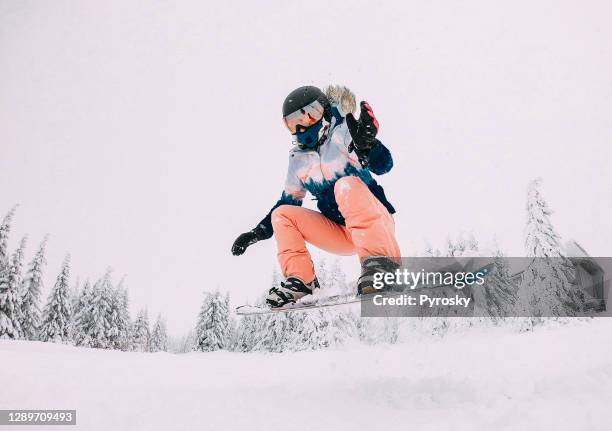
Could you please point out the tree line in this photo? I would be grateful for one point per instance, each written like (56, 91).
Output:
(97, 315)
(92, 315)
(545, 290)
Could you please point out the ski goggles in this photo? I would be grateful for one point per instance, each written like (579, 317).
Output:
(305, 117)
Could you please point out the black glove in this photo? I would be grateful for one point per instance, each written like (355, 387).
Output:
(246, 239)
(363, 132)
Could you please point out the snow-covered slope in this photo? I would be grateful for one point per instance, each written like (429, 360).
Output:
(556, 378)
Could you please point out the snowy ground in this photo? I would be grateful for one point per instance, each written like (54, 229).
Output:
(556, 378)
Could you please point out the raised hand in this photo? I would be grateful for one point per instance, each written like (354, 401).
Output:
(364, 130)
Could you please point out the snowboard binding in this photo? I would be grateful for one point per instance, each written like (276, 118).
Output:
(290, 291)
(369, 268)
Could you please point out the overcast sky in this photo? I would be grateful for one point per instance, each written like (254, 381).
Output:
(146, 136)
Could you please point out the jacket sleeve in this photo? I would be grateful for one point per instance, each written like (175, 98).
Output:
(293, 194)
(380, 159)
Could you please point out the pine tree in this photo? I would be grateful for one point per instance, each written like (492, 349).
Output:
(546, 289)
(316, 329)
(301, 331)
(313, 330)
(32, 288)
(141, 332)
(57, 315)
(82, 316)
(123, 318)
(454, 248)
(159, 337)
(272, 333)
(322, 274)
(10, 295)
(251, 331)
(5, 229)
(276, 332)
(212, 330)
(346, 326)
(74, 295)
(246, 333)
(382, 330)
(472, 245)
(496, 298)
(541, 240)
(116, 325)
(337, 278)
(461, 247)
(113, 317)
(101, 330)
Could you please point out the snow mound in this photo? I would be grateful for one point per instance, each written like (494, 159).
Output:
(559, 377)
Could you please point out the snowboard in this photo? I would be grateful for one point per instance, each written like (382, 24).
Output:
(312, 301)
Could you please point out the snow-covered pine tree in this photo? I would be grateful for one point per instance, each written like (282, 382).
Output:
(102, 327)
(343, 319)
(462, 247)
(32, 288)
(117, 314)
(10, 295)
(337, 278)
(82, 316)
(57, 315)
(496, 298)
(472, 245)
(232, 322)
(382, 330)
(276, 335)
(212, 330)
(245, 334)
(141, 333)
(346, 324)
(313, 330)
(5, 229)
(322, 273)
(453, 248)
(74, 295)
(113, 313)
(16, 276)
(251, 332)
(124, 323)
(541, 240)
(546, 289)
(436, 320)
(159, 337)
(273, 333)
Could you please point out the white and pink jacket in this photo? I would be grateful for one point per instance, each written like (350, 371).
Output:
(317, 170)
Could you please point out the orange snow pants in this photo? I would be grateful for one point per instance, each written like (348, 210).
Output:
(369, 230)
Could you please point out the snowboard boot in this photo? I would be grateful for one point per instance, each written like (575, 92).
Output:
(290, 291)
(369, 282)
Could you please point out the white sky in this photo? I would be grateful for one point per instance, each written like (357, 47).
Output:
(147, 135)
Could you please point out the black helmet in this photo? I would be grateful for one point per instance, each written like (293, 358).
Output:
(303, 96)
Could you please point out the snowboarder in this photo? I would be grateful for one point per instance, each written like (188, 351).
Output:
(333, 158)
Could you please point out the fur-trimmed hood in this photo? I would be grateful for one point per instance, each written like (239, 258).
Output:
(342, 98)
